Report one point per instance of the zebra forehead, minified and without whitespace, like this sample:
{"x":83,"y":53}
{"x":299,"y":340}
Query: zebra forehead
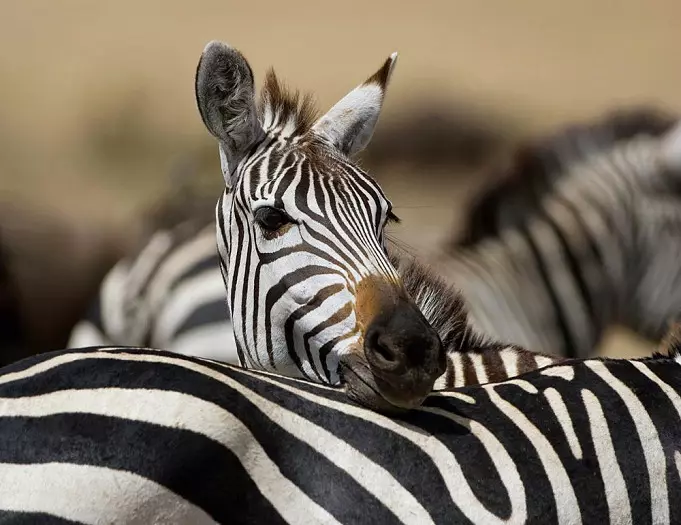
{"x":313,"y":160}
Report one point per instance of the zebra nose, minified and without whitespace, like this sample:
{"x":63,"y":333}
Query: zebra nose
{"x":401,"y":341}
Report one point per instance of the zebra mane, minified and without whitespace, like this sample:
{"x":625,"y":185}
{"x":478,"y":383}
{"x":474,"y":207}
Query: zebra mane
{"x":286,"y":104}
{"x":518,"y":189}
{"x":441,"y":304}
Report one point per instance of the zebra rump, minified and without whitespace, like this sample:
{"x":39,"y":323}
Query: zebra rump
{"x":106,"y":435}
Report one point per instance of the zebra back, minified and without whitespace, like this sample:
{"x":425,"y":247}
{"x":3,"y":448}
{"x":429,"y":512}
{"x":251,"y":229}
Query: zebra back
{"x":105,"y":435}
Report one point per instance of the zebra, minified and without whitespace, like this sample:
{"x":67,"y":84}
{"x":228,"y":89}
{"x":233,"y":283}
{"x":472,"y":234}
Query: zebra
{"x":300,"y":236}
{"x":580,"y":233}
{"x":510,"y":279}
{"x":168,"y":294}
{"x":134,"y":435}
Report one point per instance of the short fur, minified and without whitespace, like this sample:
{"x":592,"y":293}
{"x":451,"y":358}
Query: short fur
{"x":670,"y":346}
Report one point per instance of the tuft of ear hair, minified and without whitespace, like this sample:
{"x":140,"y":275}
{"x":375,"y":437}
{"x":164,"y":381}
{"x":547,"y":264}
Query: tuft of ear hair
{"x":225,"y":96}
{"x":349,"y":124}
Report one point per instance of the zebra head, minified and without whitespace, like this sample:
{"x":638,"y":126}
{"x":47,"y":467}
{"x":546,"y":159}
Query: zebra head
{"x":301,"y":238}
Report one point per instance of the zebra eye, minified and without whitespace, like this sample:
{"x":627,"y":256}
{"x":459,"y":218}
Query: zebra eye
{"x":271,"y":219}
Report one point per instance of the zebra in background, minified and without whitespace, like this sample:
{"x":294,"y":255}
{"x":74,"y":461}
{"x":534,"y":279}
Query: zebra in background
{"x":105,"y":435}
{"x":581,"y":233}
{"x":169,"y":293}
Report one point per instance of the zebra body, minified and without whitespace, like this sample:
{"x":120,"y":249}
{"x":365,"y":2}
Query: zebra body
{"x":170,"y":295}
{"x":141,"y":436}
{"x":580,"y":234}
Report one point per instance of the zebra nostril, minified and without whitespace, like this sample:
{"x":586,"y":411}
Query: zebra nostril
{"x":381,"y":351}
{"x":383,"y":348}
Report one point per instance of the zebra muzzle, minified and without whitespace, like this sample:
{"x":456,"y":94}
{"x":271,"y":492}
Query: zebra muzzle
{"x":401,"y":359}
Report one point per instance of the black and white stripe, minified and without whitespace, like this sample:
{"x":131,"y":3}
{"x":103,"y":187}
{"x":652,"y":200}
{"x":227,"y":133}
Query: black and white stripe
{"x":200,"y":331}
{"x":581,"y":233}
{"x":140,"y":436}
{"x":169,"y":295}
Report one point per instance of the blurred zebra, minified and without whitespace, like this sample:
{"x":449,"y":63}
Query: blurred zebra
{"x":583,"y":231}
{"x":170,"y":295}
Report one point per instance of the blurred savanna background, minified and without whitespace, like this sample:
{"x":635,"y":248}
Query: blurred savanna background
{"x":98,"y":118}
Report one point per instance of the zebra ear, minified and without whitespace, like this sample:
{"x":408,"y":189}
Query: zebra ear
{"x":225,"y":96}
{"x":671,"y":147}
{"x":350,"y":124}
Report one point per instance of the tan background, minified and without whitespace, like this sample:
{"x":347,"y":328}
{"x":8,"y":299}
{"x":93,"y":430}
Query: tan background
{"x":96,"y":98}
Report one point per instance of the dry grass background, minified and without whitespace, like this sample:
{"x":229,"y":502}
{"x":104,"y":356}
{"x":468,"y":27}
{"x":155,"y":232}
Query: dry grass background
{"x":96,"y":98}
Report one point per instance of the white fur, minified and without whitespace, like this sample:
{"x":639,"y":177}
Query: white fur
{"x":358,"y":109}
{"x":92,"y":494}
{"x":647,"y":433}
{"x":564,"y":372}
{"x":616,"y":494}
{"x":563,"y":416}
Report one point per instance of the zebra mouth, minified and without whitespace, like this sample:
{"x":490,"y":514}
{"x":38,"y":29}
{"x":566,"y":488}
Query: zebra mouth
{"x":382,"y":394}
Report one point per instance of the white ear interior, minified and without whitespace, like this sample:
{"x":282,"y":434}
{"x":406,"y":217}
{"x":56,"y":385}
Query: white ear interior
{"x":350,"y":123}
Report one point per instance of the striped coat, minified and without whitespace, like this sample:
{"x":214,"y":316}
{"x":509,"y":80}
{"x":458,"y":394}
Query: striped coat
{"x":131,"y":436}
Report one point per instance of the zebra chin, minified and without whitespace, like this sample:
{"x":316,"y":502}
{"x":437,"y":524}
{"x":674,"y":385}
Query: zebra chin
{"x":379,"y":392}
{"x":401,"y":358}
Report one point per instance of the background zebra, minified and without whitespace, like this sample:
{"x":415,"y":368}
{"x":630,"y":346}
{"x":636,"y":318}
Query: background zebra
{"x":168,"y":293}
{"x":500,"y":276}
{"x":140,"y":436}
{"x":586,"y":225}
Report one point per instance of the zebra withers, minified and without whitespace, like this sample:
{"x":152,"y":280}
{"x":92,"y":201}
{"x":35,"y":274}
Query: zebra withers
{"x":300,"y":236}
{"x":125,"y":435}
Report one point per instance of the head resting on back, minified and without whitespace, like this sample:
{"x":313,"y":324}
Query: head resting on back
{"x":625,"y":167}
{"x":311,"y":290}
